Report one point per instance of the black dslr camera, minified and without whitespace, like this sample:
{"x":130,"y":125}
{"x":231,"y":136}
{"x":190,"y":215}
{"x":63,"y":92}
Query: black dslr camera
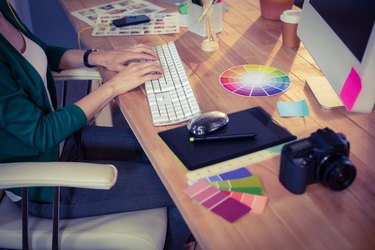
{"x":322,"y":157}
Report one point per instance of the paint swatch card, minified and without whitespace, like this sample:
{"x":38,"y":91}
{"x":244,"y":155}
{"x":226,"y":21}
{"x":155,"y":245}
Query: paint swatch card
{"x":215,"y":200}
{"x":257,"y":203}
{"x":251,"y":184}
{"x":234,"y":174}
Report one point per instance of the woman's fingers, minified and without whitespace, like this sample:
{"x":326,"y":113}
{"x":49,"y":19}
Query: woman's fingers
{"x":136,"y":74}
{"x":144,"y":68}
{"x":141,"y":48}
{"x":131,"y":57}
{"x":146,"y":71}
{"x":140,"y":57}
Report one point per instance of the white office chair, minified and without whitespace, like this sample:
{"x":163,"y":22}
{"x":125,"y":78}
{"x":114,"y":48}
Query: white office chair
{"x":131,"y":230}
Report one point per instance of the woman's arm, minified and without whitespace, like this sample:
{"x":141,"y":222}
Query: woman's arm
{"x":134,"y":75}
{"x":134,"y":65}
{"x":115,"y":60}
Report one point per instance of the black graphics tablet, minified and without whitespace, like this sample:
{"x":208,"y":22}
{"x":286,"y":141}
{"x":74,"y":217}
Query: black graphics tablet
{"x":195,"y":155}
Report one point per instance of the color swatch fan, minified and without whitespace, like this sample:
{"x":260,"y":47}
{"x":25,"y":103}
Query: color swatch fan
{"x":230,"y":195}
{"x":254,"y":80}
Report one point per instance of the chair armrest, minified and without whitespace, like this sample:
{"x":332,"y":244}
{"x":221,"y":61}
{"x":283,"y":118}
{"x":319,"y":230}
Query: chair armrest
{"x":65,"y":174}
{"x":77,"y":74}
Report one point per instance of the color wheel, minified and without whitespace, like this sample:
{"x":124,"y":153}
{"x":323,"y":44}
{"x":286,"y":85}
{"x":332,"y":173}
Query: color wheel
{"x":254,"y":80}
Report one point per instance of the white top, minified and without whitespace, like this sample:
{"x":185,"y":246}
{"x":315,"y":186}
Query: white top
{"x":38,"y":59}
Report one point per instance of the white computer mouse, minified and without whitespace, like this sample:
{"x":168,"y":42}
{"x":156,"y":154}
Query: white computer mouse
{"x":208,"y":122}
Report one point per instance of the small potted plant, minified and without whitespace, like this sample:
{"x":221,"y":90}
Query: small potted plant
{"x":272,"y":9}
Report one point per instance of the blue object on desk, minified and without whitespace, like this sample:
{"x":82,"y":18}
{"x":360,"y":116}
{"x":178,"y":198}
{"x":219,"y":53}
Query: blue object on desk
{"x":287,"y":109}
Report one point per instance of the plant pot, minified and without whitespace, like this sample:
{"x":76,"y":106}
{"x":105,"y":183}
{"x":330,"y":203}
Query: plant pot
{"x":272,"y":9}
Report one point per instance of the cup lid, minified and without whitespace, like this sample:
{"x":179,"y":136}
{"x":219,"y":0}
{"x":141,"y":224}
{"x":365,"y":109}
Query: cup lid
{"x":291,"y":16}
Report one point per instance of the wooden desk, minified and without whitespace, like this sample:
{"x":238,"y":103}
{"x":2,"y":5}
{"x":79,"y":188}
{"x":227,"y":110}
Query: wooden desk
{"x":319,"y":219}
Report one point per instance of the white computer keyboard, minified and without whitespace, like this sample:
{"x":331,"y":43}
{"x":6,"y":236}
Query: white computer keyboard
{"x":171,"y":98}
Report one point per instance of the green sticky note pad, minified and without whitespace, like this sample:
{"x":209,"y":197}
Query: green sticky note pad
{"x":183,"y":9}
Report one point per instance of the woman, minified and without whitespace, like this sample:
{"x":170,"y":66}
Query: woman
{"x":31,"y":128}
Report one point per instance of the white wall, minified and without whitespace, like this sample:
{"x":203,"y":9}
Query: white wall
{"x":23,"y":10}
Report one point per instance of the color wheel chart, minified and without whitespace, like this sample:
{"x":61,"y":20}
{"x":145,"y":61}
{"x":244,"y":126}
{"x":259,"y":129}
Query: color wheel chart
{"x":254,"y":80}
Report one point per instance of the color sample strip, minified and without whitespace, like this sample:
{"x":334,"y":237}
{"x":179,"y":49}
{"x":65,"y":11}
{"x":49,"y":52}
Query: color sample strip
{"x":250,"y":184}
{"x":257,"y":203}
{"x":248,"y":190}
{"x":234,"y":174}
{"x":254,"y":80}
{"x":215,"y":200}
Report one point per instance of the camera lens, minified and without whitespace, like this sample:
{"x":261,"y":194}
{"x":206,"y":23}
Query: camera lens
{"x":337,"y":172}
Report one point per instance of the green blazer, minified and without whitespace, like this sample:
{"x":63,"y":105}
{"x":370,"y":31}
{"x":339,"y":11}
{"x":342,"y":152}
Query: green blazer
{"x":29,"y":130}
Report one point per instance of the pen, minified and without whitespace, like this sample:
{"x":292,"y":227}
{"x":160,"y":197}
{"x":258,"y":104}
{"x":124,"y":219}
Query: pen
{"x":222,"y":137}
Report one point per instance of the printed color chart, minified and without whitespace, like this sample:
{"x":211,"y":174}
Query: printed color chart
{"x":254,"y":80}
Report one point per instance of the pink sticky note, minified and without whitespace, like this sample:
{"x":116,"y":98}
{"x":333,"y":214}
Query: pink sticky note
{"x":351,"y":89}
{"x":228,"y":208}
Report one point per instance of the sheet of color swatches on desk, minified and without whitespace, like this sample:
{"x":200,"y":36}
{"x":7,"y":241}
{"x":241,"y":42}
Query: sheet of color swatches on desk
{"x":234,"y":174}
{"x":250,"y":185}
{"x":257,"y":203}
{"x":215,"y":200}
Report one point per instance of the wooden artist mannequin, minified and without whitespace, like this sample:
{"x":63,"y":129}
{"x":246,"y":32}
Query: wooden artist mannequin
{"x":211,"y":43}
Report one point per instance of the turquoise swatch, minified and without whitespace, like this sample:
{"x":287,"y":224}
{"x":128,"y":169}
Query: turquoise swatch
{"x":287,"y":109}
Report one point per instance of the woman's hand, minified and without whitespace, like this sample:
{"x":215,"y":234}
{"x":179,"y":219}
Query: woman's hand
{"x":135,"y":74}
{"x":117,"y":60}
{"x":131,"y":77}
